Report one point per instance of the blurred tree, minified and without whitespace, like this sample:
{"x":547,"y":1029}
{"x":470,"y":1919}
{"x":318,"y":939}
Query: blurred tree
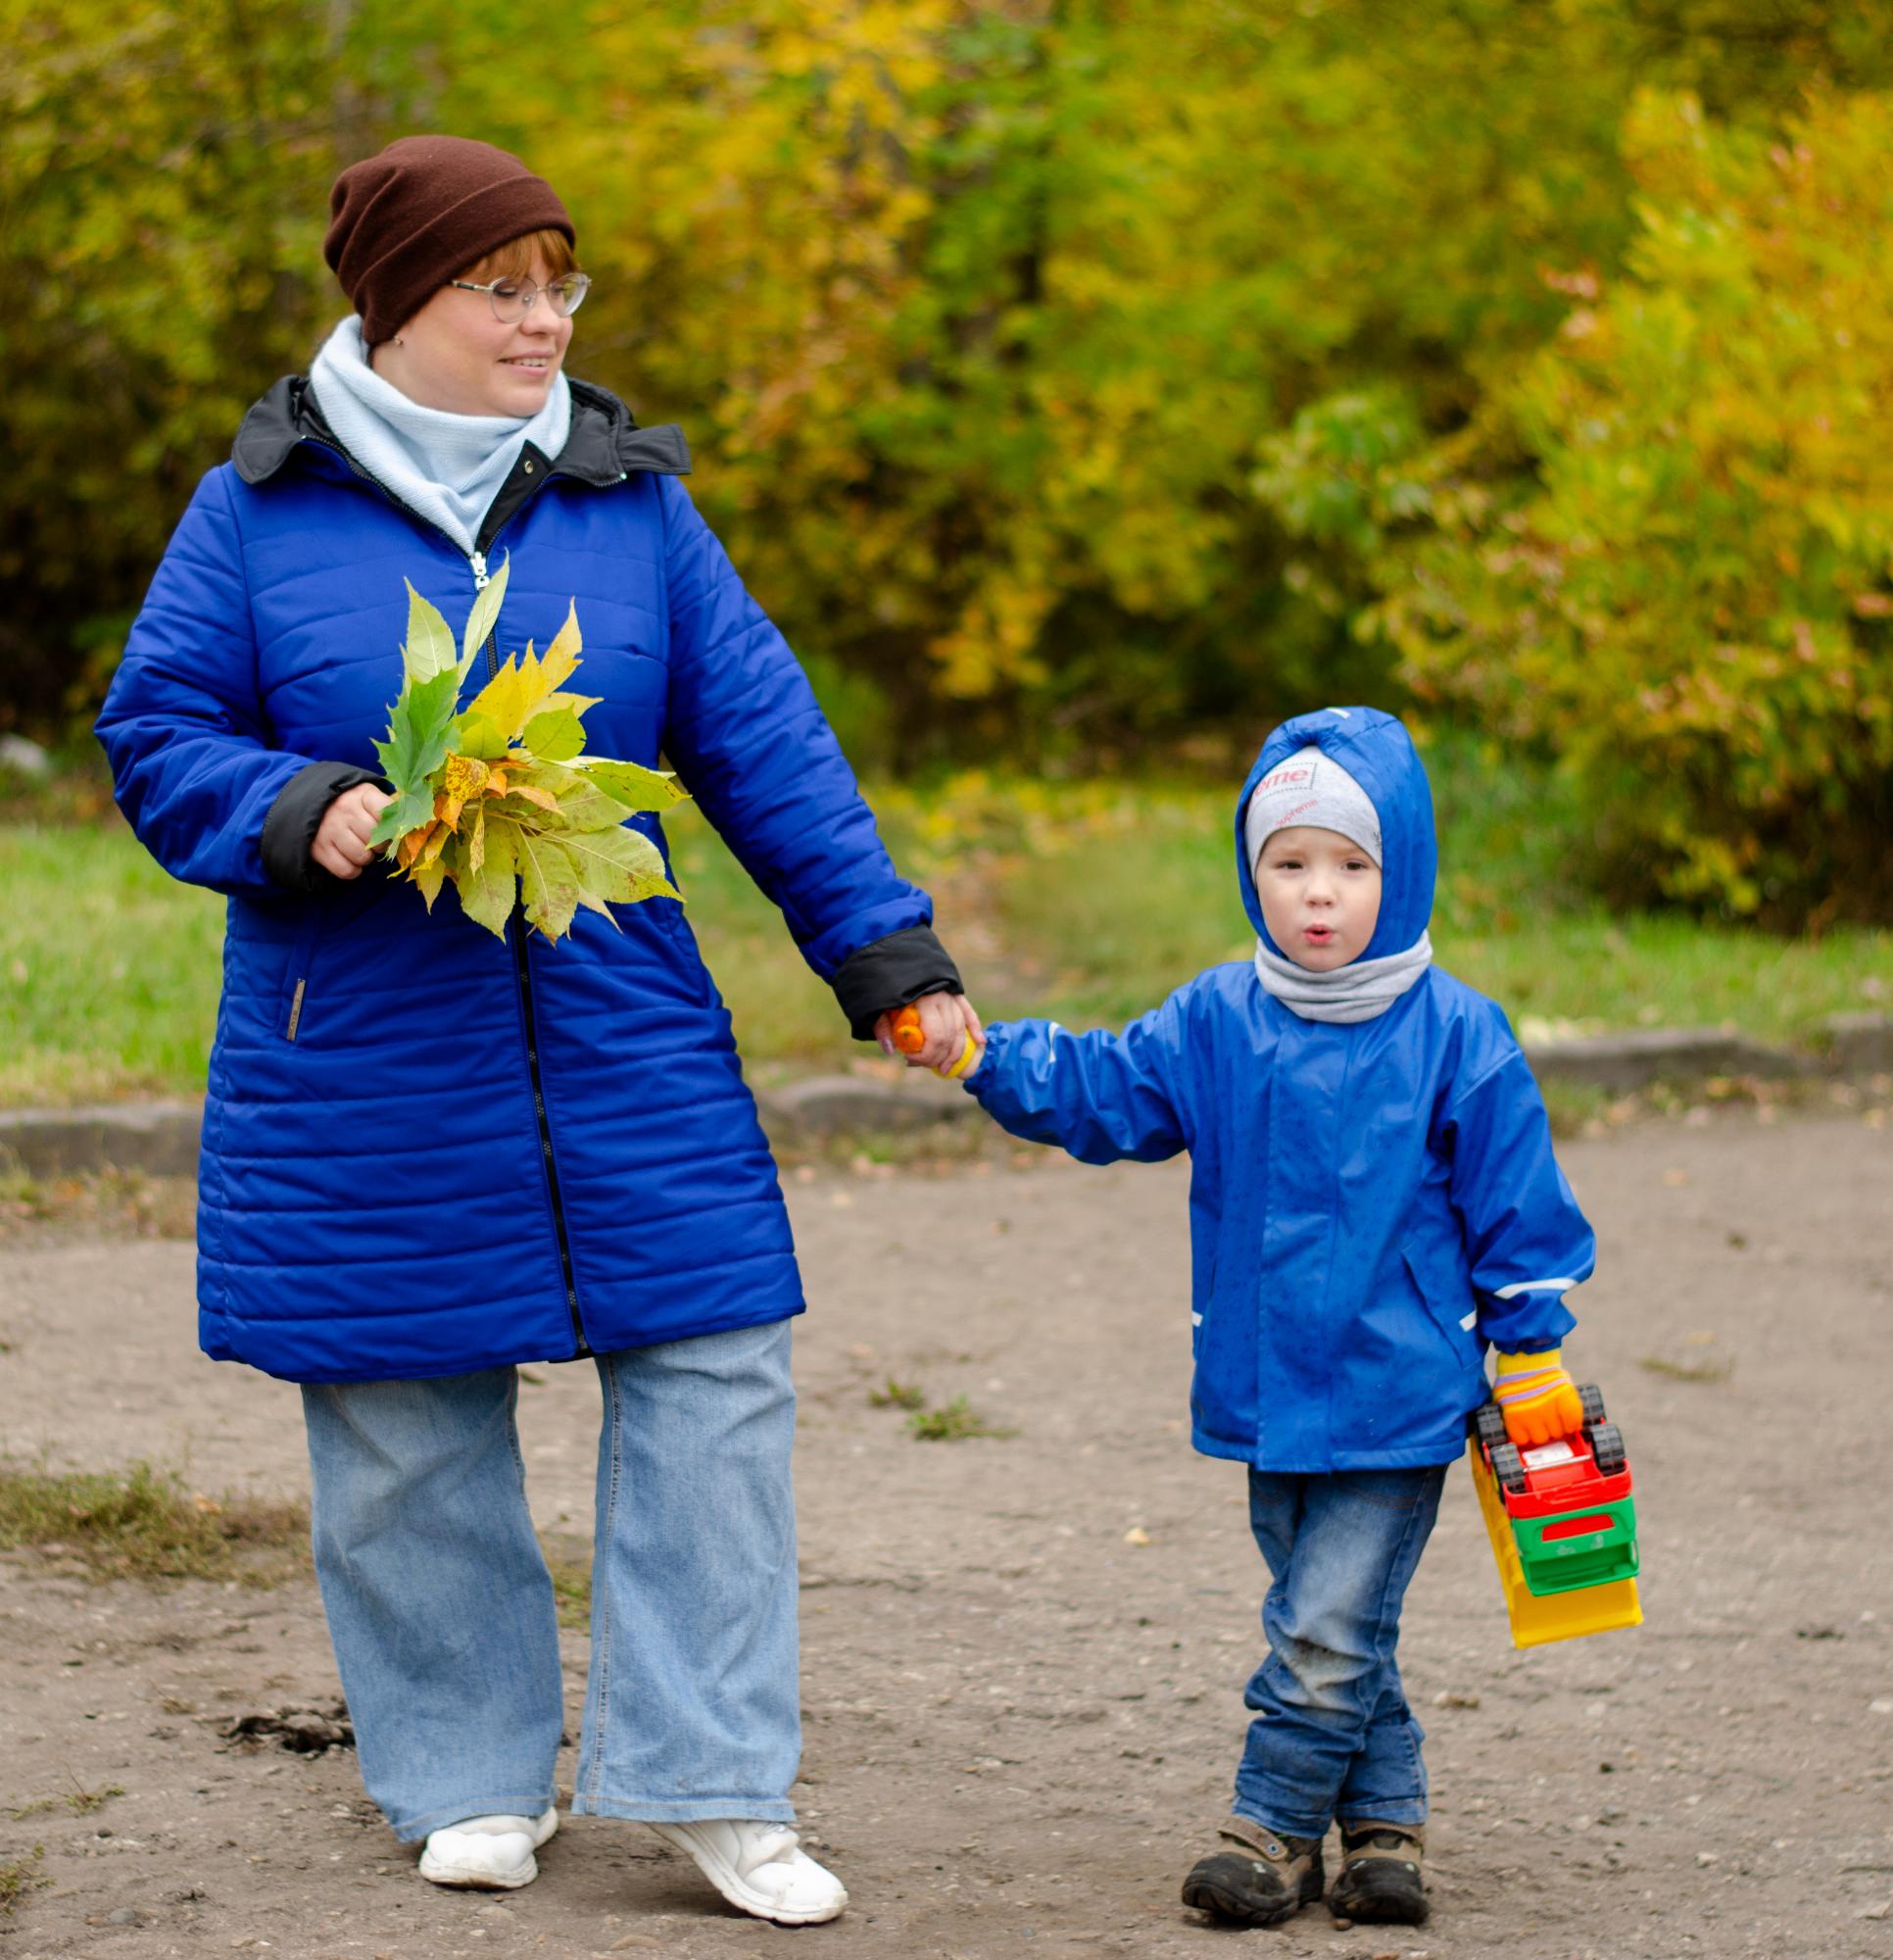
{"x":1062,"y":372}
{"x":163,"y":191}
{"x":1689,"y":598}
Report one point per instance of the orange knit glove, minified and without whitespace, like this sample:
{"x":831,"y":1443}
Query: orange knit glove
{"x":1538,"y":1398}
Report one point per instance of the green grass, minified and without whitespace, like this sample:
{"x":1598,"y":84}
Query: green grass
{"x":1086,"y":902}
{"x":79,"y":1800}
{"x":109,"y":969}
{"x":20,"y":1876}
{"x":144,"y":1523}
{"x":956,"y":1421}
{"x":1685,"y":1371}
{"x":568,"y":1559}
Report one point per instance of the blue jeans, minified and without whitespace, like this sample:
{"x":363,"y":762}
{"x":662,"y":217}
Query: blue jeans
{"x":441,"y":1608}
{"x":1334,"y":1736}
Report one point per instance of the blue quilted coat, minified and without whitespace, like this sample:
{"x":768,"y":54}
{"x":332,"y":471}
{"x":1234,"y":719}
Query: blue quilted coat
{"x":1370,"y":1204}
{"x":427,"y":1150}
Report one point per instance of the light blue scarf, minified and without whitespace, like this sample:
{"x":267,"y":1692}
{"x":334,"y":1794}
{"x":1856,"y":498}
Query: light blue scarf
{"x":447,"y":468}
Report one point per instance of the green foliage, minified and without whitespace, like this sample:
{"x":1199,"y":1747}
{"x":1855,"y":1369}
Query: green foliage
{"x":164,"y":173}
{"x":1689,"y":599}
{"x":1064,"y":376}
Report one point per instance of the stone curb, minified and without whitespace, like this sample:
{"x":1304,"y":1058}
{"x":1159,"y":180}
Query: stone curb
{"x":161,"y":1139}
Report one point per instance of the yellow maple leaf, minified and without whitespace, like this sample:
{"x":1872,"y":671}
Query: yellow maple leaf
{"x":517,"y":692}
{"x":429,"y":877}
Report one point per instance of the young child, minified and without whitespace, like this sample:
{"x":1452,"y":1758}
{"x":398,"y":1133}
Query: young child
{"x":1373,"y":1201}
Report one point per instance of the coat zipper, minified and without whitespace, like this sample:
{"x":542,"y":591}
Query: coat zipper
{"x":522,"y":974}
{"x":516,"y":932}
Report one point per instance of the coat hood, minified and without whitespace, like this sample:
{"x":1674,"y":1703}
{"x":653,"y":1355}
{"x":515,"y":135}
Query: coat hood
{"x":1375,"y":750}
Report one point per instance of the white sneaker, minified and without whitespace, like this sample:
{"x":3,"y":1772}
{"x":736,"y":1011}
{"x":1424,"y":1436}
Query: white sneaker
{"x":760,"y":1867}
{"x":487,"y":1853}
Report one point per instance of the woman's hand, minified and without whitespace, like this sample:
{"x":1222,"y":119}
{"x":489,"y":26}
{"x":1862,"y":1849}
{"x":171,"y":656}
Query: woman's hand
{"x":341,"y":845}
{"x":945,"y":1019}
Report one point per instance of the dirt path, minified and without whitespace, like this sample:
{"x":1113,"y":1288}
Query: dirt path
{"x":1018,"y":1721}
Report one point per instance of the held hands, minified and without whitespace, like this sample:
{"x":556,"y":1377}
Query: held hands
{"x":1538,"y":1398}
{"x":938,"y":1031}
{"x":341,"y":845}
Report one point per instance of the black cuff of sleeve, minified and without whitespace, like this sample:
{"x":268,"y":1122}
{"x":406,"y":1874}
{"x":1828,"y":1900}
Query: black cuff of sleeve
{"x":296,"y":816}
{"x":887,"y":973}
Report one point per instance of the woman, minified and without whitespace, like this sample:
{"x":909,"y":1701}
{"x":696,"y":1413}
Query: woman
{"x":429,"y":1154}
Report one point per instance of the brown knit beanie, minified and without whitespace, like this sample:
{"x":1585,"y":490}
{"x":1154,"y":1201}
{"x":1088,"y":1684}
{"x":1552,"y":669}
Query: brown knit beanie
{"x":404,"y":222}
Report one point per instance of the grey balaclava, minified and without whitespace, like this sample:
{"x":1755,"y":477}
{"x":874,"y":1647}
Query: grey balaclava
{"x":1311,"y":789}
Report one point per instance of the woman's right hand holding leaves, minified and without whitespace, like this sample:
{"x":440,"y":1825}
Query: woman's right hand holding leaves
{"x":341,"y":846}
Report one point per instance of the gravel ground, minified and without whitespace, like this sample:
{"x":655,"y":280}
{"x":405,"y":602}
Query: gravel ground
{"x":1024,"y":1654}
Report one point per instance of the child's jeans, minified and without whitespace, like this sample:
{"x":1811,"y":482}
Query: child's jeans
{"x":1335,"y":1738}
{"x":442,"y":1613}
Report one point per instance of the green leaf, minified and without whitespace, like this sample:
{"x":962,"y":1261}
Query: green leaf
{"x":557,"y":777}
{"x":630,"y":784}
{"x":430,"y":641}
{"x":487,"y":893}
{"x":479,"y":737}
{"x":549,"y":883}
{"x":410,"y":810}
{"x":480,"y":622}
{"x":617,"y":865}
{"x":584,"y":807}
{"x":554,"y":736}
{"x":418,"y":725}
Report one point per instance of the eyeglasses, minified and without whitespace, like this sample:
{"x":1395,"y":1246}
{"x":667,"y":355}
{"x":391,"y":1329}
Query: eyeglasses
{"x":511,"y":299}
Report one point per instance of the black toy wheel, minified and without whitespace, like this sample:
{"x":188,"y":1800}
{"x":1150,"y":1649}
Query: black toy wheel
{"x":1607,"y":1447}
{"x":1591,"y":1398}
{"x":1488,"y":1426}
{"x":1509,"y":1468}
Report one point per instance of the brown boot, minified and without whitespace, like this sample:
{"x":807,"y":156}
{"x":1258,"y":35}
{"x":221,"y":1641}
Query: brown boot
{"x":1256,"y":1878}
{"x":1381,"y":1880}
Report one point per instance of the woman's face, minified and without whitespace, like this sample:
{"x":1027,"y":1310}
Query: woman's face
{"x":454,"y":355}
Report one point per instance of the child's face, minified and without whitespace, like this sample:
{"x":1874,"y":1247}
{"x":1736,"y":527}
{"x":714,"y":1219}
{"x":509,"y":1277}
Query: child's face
{"x":1321,"y":896}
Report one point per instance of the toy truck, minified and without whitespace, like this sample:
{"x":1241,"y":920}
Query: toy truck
{"x":1563,"y":1525}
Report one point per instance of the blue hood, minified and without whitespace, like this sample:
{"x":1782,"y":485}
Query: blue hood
{"x":1375,"y":750}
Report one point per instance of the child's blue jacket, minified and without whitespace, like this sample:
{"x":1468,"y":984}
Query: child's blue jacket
{"x":1369,"y":1204}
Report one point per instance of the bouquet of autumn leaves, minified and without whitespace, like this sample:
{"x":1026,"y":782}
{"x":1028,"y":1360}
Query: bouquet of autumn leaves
{"x":499,"y":795}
